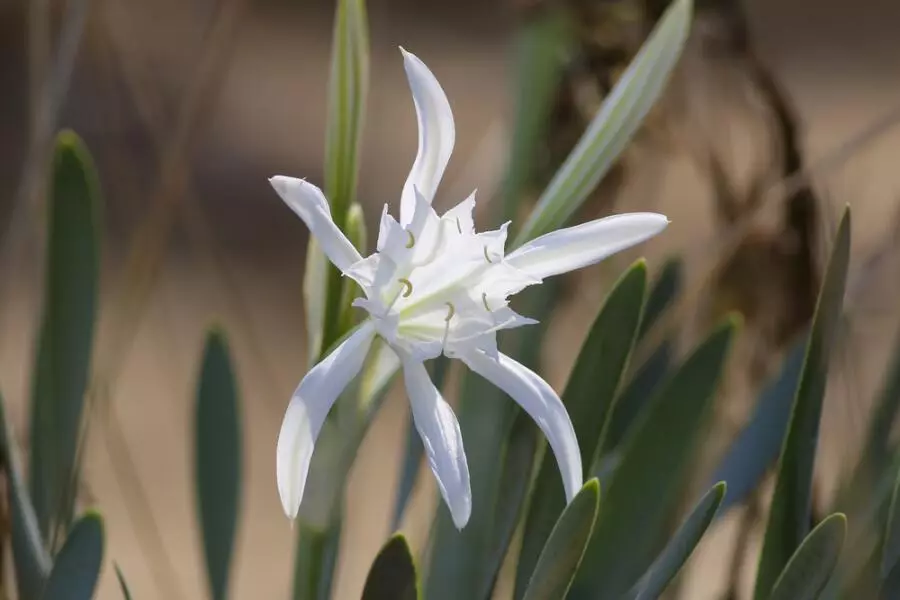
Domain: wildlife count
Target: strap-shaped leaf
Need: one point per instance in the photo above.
(806, 574)
(789, 514)
(393, 574)
(60, 378)
(682, 544)
(614, 124)
(588, 397)
(644, 490)
(662, 294)
(890, 555)
(30, 558)
(123, 585)
(562, 554)
(217, 469)
(77, 566)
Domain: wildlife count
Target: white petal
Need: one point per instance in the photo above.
(441, 436)
(309, 406)
(310, 204)
(437, 135)
(572, 248)
(461, 216)
(543, 405)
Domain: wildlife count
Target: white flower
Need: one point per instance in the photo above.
(436, 286)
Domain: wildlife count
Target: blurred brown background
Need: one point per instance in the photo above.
(192, 105)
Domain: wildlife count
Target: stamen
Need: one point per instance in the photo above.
(484, 301)
(486, 257)
(407, 287)
(412, 239)
(458, 226)
(450, 313)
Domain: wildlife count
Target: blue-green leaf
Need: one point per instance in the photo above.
(588, 397)
(217, 460)
(393, 574)
(77, 566)
(682, 544)
(614, 125)
(60, 377)
(809, 569)
(662, 294)
(789, 515)
(890, 555)
(756, 447)
(645, 489)
(30, 558)
(559, 560)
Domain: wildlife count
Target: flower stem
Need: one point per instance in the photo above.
(315, 559)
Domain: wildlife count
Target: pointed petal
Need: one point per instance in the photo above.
(437, 135)
(310, 204)
(572, 248)
(543, 405)
(441, 436)
(461, 216)
(309, 406)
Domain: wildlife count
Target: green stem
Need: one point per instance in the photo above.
(314, 560)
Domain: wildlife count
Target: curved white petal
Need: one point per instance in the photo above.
(543, 405)
(436, 423)
(309, 406)
(461, 216)
(575, 247)
(437, 135)
(310, 204)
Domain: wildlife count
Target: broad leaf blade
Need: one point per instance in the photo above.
(810, 568)
(588, 396)
(644, 490)
(77, 566)
(614, 125)
(789, 515)
(679, 548)
(562, 554)
(66, 335)
(218, 460)
(756, 448)
(31, 560)
(393, 574)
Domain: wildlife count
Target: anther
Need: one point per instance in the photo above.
(484, 301)
(407, 287)
(458, 226)
(412, 239)
(486, 257)
(450, 312)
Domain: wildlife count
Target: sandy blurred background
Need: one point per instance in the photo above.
(193, 104)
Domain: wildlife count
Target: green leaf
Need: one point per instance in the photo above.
(756, 447)
(645, 489)
(789, 515)
(314, 560)
(662, 294)
(77, 566)
(809, 569)
(890, 555)
(347, 89)
(60, 378)
(562, 554)
(31, 560)
(123, 585)
(613, 126)
(588, 397)
(393, 574)
(217, 439)
(877, 453)
(682, 544)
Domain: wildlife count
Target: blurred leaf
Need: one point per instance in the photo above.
(614, 124)
(315, 281)
(789, 516)
(31, 560)
(218, 460)
(588, 396)
(890, 555)
(393, 574)
(809, 569)
(381, 366)
(679, 548)
(644, 491)
(347, 90)
(66, 338)
(356, 233)
(539, 44)
(877, 452)
(561, 556)
(636, 396)
(77, 566)
(756, 447)
(126, 594)
(662, 294)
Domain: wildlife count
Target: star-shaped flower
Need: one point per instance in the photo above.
(436, 286)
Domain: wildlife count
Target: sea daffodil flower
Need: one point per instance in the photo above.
(436, 286)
